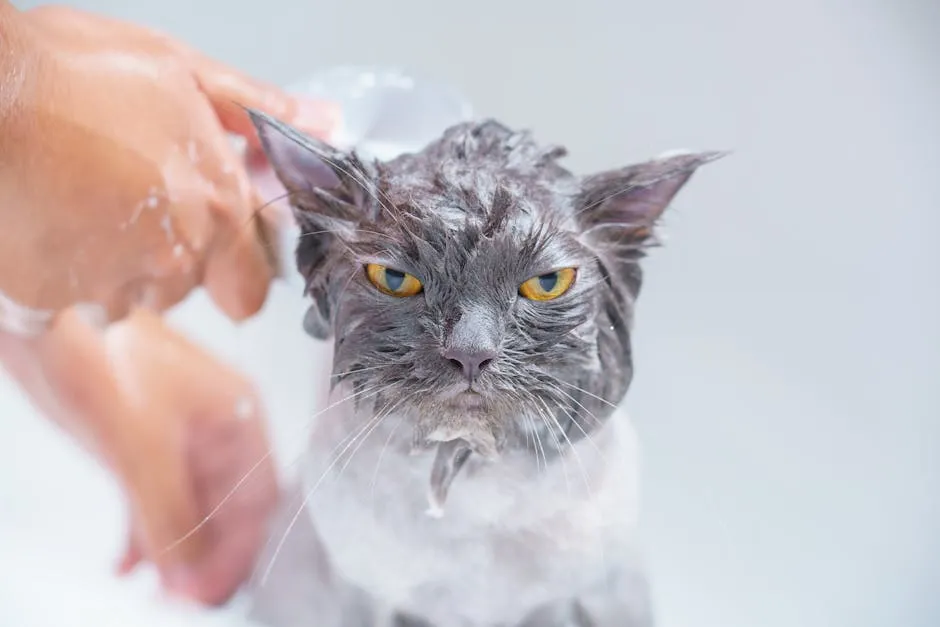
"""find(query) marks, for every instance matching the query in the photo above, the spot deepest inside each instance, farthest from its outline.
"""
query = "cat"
(472, 465)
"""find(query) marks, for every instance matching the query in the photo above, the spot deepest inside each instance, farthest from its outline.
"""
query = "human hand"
(118, 182)
(180, 431)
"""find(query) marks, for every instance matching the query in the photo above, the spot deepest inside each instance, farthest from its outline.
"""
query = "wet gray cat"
(472, 465)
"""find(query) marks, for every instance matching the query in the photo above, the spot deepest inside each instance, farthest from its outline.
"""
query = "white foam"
(21, 320)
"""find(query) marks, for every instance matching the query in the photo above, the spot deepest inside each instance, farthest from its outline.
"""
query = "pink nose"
(471, 362)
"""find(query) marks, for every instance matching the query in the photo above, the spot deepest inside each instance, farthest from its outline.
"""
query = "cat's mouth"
(462, 397)
(467, 400)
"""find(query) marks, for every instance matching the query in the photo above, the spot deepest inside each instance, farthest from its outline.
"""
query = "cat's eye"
(393, 282)
(548, 286)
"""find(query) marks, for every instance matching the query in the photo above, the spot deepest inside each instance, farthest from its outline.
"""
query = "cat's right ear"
(625, 205)
(323, 182)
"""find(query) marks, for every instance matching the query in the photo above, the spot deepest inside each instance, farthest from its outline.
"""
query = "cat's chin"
(465, 417)
(468, 400)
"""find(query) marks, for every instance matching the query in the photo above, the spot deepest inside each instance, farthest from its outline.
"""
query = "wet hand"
(119, 184)
(182, 432)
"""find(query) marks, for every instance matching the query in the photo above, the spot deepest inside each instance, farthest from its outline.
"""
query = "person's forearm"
(21, 359)
(16, 54)
(11, 48)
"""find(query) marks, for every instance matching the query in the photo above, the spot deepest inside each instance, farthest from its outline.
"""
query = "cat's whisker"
(584, 473)
(379, 417)
(538, 441)
(336, 454)
(358, 370)
(579, 389)
(356, 175)
(215, 510)
(590, 414)
(529, 441)
(575, 422)
(306, 500)
(256, 212)
(374, 192)
(342, 231)
(574, 451)
(558, 447)
(352, 275)
(625, 226)
(378, 462)
(333, 454)
(360, 177)
(528, 426)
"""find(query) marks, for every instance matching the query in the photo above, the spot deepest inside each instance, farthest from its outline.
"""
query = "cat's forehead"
(477, 168)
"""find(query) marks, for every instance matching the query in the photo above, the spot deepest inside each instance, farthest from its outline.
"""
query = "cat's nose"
(471, 361)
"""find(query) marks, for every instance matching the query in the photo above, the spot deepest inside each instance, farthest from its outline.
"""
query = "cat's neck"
(506, 521)
(522, 482)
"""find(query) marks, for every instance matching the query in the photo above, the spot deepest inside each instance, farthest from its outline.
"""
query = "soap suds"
(244, 408)
(167, 225)
(20, 320)
(450, 458)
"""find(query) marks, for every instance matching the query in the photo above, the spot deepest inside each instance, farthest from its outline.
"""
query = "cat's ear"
(323, 182)
(624, 205)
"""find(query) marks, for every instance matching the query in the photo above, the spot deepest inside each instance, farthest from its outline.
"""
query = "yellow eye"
(548, 286)
(393, 282)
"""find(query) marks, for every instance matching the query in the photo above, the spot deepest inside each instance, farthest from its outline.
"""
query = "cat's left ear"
(624, 205)
(324, 182)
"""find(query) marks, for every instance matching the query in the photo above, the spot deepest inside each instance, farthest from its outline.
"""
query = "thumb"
(240, 267)
(229, 91)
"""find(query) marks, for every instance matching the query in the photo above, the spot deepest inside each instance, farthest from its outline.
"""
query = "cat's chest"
(511, 536)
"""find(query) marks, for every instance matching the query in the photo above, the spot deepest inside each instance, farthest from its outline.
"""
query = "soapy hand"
(118, 182)
(180, 431)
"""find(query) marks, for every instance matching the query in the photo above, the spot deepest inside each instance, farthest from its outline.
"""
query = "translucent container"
(384, 112)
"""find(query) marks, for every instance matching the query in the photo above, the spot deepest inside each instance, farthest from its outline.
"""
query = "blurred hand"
(179, 429)
(118, 182)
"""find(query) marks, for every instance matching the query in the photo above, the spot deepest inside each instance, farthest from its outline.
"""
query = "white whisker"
(558, 447)
(309, 495)
(247, 475)
(571, 385)
(378, 462)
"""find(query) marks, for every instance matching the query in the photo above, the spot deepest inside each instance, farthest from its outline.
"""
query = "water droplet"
(191, 151)
(244, 408)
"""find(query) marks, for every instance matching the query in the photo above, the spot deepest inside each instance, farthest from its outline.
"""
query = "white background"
(787, 343)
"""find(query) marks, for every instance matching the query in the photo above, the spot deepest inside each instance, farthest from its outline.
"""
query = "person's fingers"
(238, 273)
(132, 554)
(233, 477)
(229, 91)
(79, 373)
(159, 485)
(239, 268)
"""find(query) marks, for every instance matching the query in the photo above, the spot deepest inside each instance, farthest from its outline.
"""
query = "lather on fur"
(473, 466)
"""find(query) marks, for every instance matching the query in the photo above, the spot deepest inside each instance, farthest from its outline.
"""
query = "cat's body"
(474, 466)
(514, 535)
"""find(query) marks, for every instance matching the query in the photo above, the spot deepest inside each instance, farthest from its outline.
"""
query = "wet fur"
(537, 530)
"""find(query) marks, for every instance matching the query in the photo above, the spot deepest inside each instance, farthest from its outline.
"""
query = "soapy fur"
(529, 471)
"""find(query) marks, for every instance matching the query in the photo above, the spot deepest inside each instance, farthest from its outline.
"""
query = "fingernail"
(318, 116)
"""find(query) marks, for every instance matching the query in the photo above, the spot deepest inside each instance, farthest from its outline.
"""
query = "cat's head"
(477, 285)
